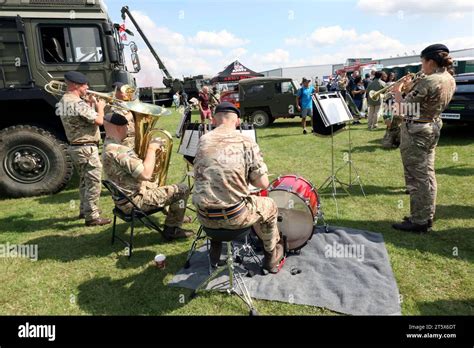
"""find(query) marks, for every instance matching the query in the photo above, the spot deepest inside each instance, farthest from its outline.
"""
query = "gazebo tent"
(234, 72)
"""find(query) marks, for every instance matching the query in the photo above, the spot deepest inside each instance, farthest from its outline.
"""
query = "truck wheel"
(260, 119)
(32, 162)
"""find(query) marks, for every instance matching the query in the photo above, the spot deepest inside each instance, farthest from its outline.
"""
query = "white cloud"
(216, 39)
(159, 35)
(416, 7)
(331, 35)
(337, 36)
(236, 53)
(276, 57)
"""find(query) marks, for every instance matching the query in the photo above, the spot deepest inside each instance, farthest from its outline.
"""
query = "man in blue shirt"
(304, 102)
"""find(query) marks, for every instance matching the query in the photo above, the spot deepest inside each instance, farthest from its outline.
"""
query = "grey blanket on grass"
(344, 270)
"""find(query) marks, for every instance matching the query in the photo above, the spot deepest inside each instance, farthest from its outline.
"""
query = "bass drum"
(298, 209)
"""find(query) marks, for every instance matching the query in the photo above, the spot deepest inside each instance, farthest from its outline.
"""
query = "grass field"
(79, 272)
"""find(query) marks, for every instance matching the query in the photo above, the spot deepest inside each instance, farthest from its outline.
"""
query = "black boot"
(430, 221)
(412, 227)
(274, 260)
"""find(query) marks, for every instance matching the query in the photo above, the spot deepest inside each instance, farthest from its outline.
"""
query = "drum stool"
(228, 236)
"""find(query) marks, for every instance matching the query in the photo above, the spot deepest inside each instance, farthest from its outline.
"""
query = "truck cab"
(40, 40)
(264, 99)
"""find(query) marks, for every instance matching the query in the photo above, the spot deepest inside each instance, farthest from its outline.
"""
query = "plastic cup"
(160, 261)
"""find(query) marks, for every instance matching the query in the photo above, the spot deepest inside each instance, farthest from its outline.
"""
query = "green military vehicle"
(40, 40)
(264, 99)
(164, 95)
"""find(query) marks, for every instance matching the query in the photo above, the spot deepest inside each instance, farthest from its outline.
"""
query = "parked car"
(264, 99)
(461, 107)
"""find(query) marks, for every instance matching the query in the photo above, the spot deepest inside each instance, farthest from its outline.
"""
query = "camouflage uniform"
(391, 138)
(129, 141)
(225, 164)
(78, 119)
(123, 167)
(419, 140)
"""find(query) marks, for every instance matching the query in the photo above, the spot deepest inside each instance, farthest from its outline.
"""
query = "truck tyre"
(260, 119)
(32, 162)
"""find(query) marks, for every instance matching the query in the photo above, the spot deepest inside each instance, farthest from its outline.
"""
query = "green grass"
(80, 272)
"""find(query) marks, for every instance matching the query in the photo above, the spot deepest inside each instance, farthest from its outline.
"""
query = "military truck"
(264, 99)
(40, 40)
(164, 95)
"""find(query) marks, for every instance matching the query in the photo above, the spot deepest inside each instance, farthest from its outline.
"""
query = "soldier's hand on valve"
(100, 104)
(156, 144)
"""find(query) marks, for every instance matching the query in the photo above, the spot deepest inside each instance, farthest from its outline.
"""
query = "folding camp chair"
(136, 214)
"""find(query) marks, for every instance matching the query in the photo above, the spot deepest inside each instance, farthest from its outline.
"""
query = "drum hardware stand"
(320, 215)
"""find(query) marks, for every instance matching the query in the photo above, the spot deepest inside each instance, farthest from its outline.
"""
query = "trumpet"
(59, 88)
(375, 95)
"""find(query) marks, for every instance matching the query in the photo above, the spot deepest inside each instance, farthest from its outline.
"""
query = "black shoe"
(304, 131)
(215, 253)
(407, 192)
(171, 233)
(429, 222)
(412, 227)
(356, 122)
(98, 222)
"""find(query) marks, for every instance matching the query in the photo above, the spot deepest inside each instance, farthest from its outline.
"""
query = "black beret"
(76, 77)
(118, 84)
(227, 107)
(116, 119)
(434, 49)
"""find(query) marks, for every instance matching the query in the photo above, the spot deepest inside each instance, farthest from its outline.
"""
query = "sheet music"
(248, 133)
(190, 143)
(334, 110)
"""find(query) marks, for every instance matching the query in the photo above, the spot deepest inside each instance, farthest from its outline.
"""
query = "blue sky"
(203, 36)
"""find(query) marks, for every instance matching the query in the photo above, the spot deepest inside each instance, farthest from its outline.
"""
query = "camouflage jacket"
(226, 162)
(122, 166)
(432, 94)
(78, 119)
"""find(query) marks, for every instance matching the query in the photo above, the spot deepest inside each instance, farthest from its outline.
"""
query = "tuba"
(145, 117)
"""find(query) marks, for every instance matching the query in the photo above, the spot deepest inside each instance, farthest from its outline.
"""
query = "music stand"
(334, 111)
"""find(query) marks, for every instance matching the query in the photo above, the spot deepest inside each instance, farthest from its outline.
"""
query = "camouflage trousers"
(417, 147)
(391, 138)
(261, 212)
(152, 196)
(86, 160)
